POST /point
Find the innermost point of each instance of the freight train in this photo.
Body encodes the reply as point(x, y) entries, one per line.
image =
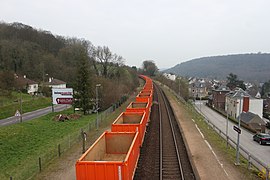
point(115, 154)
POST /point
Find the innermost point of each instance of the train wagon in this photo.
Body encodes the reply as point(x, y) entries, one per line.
point(139, 107)
point(146, 91)
point(113, 156)
point(144, 97)
point(131, 122)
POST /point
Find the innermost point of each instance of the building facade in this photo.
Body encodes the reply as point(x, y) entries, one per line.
point(218, 97)
point(240, 101)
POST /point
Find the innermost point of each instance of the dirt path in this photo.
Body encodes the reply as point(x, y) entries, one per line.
point(209, 162)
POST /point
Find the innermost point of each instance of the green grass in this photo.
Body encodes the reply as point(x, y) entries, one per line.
point(22, 144)
point(9, 105)
point(13, 98)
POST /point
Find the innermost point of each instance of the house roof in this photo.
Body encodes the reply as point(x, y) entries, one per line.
point(254, 92)
point(255, 126)
point(249, 117)
point(238, 93)
point(54, 81)
point(25, 81)
point(222, 88)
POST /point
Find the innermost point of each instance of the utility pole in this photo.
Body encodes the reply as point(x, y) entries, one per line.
point(227, 123)
point(97, 86)
point(238, 134)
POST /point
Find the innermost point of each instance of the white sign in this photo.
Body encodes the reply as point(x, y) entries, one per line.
point(62, 95)
point(17, 113)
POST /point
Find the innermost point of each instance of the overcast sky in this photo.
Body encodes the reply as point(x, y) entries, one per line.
point(166, 31)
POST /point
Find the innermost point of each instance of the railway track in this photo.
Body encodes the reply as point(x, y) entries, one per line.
point(170, 162)
point(163, 154)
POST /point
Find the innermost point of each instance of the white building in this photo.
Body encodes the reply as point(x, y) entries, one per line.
point(170, 76)
point(239, 100)
point(29, 85)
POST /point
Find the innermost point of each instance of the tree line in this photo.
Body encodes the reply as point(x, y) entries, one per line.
point(39, 54)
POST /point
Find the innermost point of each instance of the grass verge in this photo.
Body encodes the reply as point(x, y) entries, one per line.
point(9, 105)
point(21, 145)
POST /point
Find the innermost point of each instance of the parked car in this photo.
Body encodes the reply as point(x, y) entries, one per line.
point(262, 138)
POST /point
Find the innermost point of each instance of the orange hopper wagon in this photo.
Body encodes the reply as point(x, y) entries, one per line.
point(144, 97)
point(113, 156)
point(131, 122)
point(139, 107)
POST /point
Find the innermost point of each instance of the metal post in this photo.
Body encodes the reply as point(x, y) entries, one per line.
point(39, 164)
point(69, 141)
point(249, 161)
point(52, 107)
point(98, 85)
point(83, 140)
point(179, 89)
point(21, 106)
point(59, 150)
point(238, 134)
point(227, 124)
point(200, 103)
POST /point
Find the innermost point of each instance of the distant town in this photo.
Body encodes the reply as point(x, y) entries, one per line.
point(231, 98)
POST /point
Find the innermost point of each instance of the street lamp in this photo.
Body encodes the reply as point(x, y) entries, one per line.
point(97, 86)
point(238, 134)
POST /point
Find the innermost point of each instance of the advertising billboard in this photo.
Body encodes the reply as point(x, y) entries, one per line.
point(62, 95)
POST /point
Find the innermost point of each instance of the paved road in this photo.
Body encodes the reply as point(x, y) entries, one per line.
point(34, 114)
point(260, 152)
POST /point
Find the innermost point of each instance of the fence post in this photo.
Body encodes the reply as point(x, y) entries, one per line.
point(83, 140)
point(39, 163)
point(267, 173)
point(69, 140)
point(249, 161)
point(59, 150)
point(227, 139)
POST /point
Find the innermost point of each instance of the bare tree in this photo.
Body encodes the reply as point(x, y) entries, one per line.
point(106, 59)
point(149, 67)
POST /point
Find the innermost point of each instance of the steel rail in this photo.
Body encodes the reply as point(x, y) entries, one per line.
point(173, 135)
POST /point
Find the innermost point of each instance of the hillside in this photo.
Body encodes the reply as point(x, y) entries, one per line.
point(38, 54)
point(249, 67)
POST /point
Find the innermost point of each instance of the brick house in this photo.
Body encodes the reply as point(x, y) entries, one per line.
point(218, 97)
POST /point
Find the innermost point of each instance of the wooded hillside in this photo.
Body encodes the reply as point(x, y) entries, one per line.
point(39, 54)
point(249, 67)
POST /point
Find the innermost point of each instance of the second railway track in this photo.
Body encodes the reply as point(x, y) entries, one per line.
point(163, 154)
